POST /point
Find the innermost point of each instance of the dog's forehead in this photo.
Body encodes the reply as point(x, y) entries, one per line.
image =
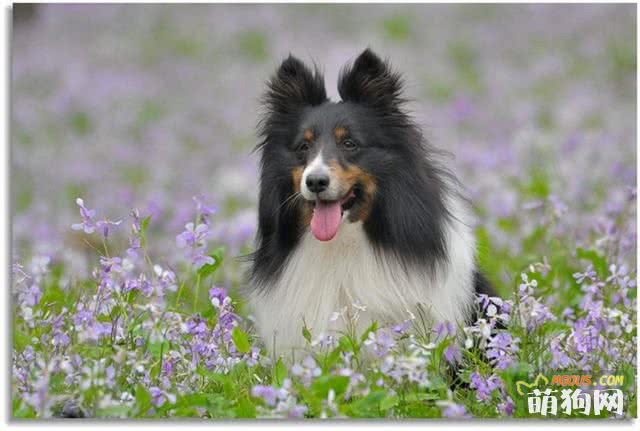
point(328, 115)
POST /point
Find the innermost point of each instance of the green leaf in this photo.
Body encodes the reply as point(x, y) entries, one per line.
point(539, 184)
point(369, 406)
point(306, 334)
point(331, 359)
point(245, 408)
point(192, 400)
point(143, 400)
point(23, 411)
point(53, 298)
point(421, 396)
point(552, 326)
point(20, 340)
point(212, 376)
point(389, 402)
point(115, 411)
point(323, 384)
point(144, 225)
point(372, 328)
point(345, 344)
point(599, 262)
point(156, 349)
point(210, 268)
point(279, 372)
point(241, 340)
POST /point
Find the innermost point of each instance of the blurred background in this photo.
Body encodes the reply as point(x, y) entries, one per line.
point(146, 106)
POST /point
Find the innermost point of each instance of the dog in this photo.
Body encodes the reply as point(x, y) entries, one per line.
point(354, 210)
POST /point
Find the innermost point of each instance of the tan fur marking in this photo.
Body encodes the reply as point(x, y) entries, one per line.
point(348, 178)
point(340, 133)
point(308, 135)
point(296, 175)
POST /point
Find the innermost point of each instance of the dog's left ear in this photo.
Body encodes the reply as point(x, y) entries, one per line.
point(371, 81)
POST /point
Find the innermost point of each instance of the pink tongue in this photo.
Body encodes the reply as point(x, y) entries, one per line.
point(326, 220)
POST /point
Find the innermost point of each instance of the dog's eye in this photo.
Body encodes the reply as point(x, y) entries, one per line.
point(303, 147)
point(349, 145)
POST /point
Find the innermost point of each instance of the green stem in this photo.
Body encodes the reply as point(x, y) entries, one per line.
point(104, 244)
point(196, 295)
point(177, 304)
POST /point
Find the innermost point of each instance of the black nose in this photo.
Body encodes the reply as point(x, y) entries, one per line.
point(317, 183)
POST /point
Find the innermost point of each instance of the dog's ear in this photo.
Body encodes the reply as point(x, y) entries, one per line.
point(294, 86)
point(371, 81)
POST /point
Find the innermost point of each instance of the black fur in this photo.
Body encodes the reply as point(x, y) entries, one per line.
point(290, 93)
point(408, 211)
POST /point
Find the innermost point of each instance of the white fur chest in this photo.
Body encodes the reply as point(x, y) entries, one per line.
point(323, 277)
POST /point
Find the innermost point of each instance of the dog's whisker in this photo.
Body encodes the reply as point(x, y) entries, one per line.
point(290, 200)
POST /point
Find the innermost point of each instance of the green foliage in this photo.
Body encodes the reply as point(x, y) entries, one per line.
point(241, 340)
point(253, 44)
point(397, 27)
point(210, 268)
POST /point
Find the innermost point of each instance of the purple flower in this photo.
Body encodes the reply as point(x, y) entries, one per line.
point(60, 339)
point(380, 342)
point(83, 317)
point(205, 211)
point(88, 224)
point(402, 328)
point(559, 208)
point(501, 350)
point(620, 276)
point(111, 264)
point(306, 371)
point(141, 284)
point(194, 240)
point(297, 411)
point(166, 280)
point(461, 108)
point(443, 330)
point(267, 393)
point(193, 235)
point(88, 327)
point(135, 244)
point(199, 260)
point(559, 358)
point(135, 240)
point(30, 296)
point(457, 411)
point(105, 225)
point(484, 387)
point(588, 274)
point(217, 296)
point(109, 376)
point(196, 326)
point(452, 354)
point(168, 366)
point(506, 407)
point(159, 397)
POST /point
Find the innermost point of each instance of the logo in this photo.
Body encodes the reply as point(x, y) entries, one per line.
point(546, 399)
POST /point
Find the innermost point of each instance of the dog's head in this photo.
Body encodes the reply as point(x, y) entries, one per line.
point(330, 160)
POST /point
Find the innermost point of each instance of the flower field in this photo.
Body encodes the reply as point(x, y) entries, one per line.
point(134, 191)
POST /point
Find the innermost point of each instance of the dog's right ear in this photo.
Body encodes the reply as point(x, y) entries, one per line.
point(293, 87)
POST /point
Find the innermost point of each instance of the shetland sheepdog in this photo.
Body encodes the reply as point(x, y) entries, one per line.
point(354, 210)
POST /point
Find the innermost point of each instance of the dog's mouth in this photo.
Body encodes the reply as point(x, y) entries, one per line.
point(327, 215)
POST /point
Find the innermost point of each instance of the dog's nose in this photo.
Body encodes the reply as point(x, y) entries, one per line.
point(317, 183)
